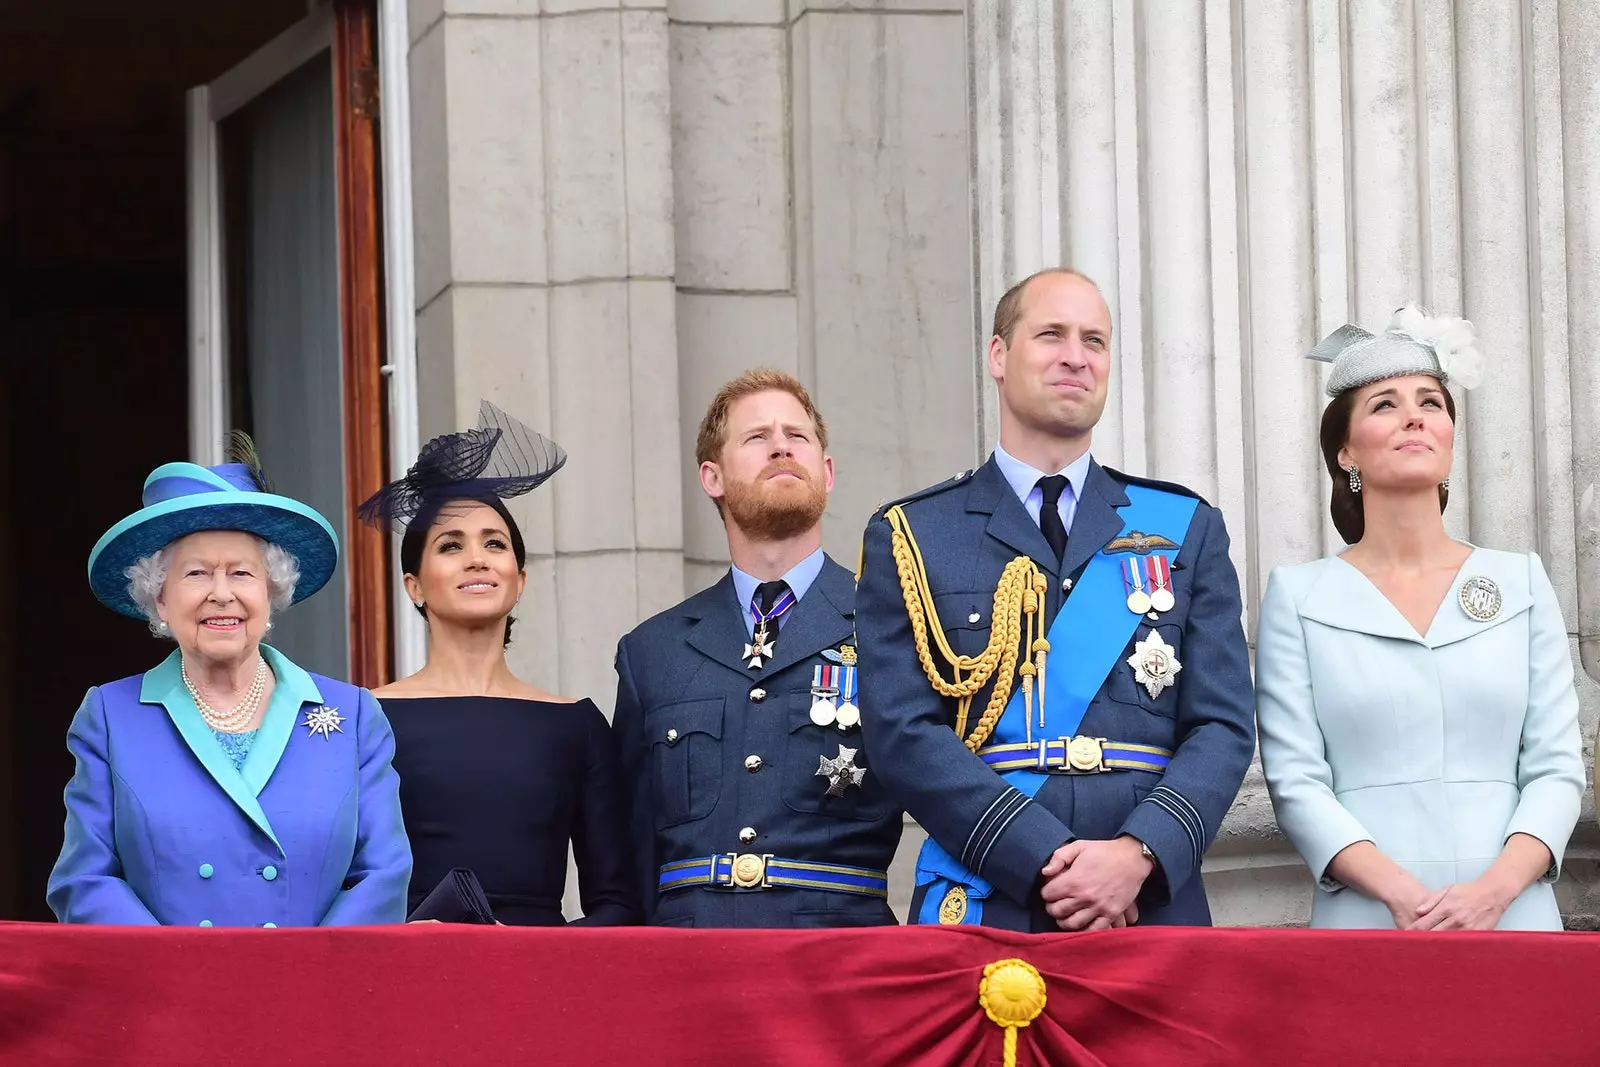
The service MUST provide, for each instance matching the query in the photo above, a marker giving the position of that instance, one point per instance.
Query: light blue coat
(161, 828)
(1435, 747)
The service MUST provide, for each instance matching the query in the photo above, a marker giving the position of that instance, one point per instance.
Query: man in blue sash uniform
(1054, 677)
(736, 718)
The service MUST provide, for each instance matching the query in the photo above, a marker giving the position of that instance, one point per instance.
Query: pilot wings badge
(1142, 543)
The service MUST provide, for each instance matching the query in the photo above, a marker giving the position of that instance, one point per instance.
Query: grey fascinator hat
(1415, 342)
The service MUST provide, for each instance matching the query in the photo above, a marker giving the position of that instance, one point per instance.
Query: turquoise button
(205, 922)
(205, 870)
(269, 872)
(269, 926)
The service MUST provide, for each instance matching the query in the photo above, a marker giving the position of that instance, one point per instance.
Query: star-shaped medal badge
(758, 650)
(841, 771)
(323, 720)
(1155, 664)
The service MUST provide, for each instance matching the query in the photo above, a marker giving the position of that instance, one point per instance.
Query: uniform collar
(799, 578)
(1023, 478)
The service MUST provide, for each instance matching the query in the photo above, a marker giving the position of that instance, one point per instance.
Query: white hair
(148, 576)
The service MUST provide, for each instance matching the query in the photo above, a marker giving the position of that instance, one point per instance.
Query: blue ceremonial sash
(1086, 641)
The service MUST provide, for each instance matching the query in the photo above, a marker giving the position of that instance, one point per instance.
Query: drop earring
(1445, 485)
(1355, 480)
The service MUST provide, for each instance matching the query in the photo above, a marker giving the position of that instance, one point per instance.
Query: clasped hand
(1463, 906)
(1091, 885)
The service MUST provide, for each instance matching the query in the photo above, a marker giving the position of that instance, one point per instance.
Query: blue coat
(689, 716)
(1438, 748)
(968, 530)
(161, 829)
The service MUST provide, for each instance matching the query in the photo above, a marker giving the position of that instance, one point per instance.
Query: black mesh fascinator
(501, 458)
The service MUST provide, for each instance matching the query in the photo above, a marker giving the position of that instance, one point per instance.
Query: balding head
(1009, 310)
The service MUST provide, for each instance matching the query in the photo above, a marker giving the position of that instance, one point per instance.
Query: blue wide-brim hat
(185, 498)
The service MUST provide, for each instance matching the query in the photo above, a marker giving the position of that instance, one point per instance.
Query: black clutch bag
(458, 898)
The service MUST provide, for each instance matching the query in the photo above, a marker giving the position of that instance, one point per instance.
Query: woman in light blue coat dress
(1418, 719)
(226, 786)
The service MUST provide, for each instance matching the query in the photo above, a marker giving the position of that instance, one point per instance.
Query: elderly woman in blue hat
(226, 787)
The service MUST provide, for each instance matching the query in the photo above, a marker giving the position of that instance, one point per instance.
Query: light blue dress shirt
(799, 577)
(1024, 481)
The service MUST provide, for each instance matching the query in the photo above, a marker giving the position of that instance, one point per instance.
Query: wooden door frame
(355, 104)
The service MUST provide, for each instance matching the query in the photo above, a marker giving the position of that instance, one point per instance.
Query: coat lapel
(1096, 521)
(293, 690)
(164, 686)
(1009, 521)
(1345, 598)
(1453, 624)
(717, 631)
(825, 617)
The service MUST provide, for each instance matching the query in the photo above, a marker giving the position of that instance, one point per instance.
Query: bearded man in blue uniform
(1054, 679)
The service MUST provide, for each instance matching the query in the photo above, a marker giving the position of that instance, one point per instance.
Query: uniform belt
(751, 870)
(1076, 755)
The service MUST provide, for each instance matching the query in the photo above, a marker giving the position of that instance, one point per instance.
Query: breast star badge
(1155, 664)
(323, 720)
(841, 771)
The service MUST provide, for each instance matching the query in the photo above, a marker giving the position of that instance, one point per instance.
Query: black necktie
(767, 594)
(1050, 513)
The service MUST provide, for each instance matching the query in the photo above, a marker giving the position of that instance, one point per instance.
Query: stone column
(1243, 176)
(545, 248)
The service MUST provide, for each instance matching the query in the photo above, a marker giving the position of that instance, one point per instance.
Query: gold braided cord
(1019, 592)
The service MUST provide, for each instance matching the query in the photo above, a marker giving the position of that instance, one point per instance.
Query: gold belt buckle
(748, 870)
(1086, 755)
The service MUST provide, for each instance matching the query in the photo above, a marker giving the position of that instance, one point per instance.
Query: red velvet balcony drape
(794, 998)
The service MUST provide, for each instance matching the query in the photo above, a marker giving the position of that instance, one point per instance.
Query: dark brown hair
(1008, 311)
(1345, 506)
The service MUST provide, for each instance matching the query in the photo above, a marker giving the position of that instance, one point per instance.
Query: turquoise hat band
(192, 499)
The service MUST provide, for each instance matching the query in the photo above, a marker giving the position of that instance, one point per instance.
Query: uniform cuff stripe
(1166, 805)
(990, 826)
(978, 870)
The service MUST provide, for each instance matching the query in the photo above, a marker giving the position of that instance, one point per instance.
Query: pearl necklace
(229, 721)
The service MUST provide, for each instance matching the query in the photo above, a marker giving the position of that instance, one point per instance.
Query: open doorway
(108, 370)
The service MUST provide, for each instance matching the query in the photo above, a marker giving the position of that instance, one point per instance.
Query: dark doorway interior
(94, 340)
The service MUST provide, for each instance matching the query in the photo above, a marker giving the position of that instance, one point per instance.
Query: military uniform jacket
(710, 748)
(968, 529)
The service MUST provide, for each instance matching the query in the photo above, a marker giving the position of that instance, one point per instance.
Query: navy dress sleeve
(606, 885)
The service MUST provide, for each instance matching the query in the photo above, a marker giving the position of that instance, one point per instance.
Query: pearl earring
(1355, 480)
(1445, 485)
(162, 629)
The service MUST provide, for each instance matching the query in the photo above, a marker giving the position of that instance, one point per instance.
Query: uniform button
(975, 616)
(747, 835)
(757, 695)
(269, 872)
(1066, 585)
(269, 926)
(206, 870)
(752, 763)
(672, 737)
(205, 922)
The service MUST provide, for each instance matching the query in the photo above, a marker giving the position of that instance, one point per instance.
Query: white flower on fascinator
(1454, 342)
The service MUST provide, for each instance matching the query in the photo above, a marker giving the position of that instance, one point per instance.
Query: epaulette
(961, 478)
(1151, 483)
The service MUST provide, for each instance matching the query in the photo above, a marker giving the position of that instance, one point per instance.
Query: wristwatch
(1144, 850)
